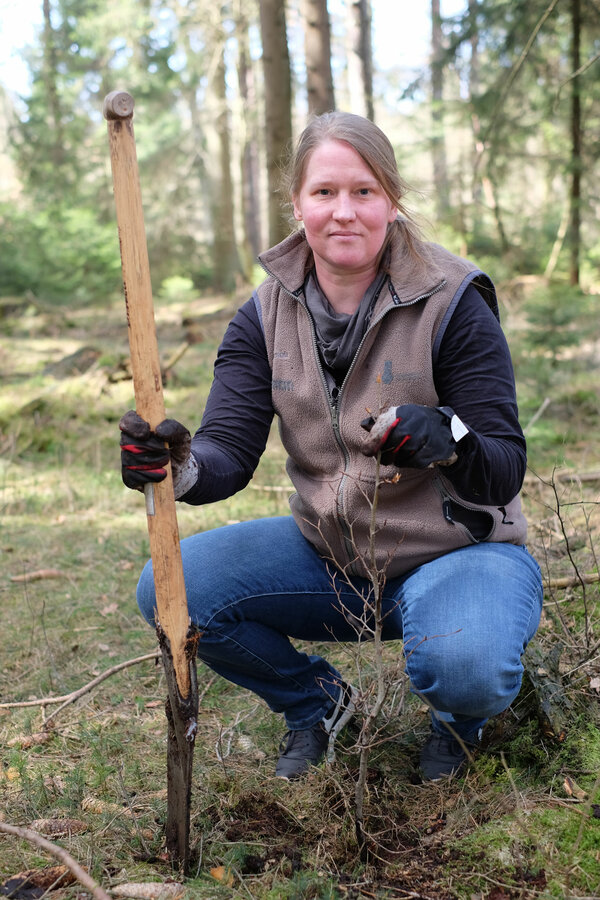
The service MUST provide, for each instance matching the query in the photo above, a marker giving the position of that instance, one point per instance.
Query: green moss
(555, 847)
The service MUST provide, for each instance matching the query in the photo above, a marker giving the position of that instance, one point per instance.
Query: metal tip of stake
(118, 105)
(149, 495)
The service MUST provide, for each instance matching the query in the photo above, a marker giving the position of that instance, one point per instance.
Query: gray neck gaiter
(339, 334)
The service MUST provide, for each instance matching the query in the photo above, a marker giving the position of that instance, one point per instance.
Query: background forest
(498, 133)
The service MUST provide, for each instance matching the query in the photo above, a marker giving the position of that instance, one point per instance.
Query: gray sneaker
(444, 756)
(306, 747)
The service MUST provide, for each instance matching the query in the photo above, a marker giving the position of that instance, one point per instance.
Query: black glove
(144, 454)
(411, 436)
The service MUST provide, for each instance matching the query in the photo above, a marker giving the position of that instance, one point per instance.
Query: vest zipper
(351, 550)
(335, 425)
(426, 296)
(333, 402)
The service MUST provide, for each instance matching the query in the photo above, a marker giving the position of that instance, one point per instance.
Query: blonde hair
(375, 149)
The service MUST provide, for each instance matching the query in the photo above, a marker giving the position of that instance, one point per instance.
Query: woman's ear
(297, 210)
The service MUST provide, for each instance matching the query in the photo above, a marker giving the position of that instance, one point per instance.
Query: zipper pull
(447, 510)
(335, 421)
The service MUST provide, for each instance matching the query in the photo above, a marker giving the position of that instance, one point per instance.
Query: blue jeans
(465, 619)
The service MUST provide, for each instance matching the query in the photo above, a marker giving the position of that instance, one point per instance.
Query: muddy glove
(144, 454)
(413, 436)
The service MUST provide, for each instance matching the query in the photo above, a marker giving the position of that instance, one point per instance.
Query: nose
(344, 208)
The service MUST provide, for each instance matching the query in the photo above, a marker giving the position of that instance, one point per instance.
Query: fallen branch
(66, 699)
(572, 580)
(38, 575)
(569, 477)
(575, 477)
(537, 415)
(58, 853)
(175, 357)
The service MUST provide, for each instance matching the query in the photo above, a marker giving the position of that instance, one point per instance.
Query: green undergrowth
(522, 821)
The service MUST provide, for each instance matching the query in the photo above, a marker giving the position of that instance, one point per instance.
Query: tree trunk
(278, 102)
(226, 265)
(438, 144)
(49, 70)
(490, 188)
(576, 144)
(317, 52)
(249, 156)
(476, 190)
(360, 58)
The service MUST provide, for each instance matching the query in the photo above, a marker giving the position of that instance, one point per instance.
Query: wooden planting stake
(177, 640)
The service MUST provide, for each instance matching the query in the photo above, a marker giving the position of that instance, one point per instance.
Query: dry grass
(509, 826)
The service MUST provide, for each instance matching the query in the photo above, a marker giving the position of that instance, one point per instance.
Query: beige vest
(334, 482)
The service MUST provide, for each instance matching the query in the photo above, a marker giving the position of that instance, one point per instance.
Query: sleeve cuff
(185, 477)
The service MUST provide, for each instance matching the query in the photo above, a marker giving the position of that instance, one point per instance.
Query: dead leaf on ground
(55, 783)
(109, 609)
(38, 575)
(223, 875)
(573, 790)
(595, 684)
(34, 883)
(152, 890)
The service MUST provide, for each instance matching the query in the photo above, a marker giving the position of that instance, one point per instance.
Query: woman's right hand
(146, 453)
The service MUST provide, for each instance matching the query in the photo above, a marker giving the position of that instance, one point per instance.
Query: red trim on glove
(406, 438)
(387, 434)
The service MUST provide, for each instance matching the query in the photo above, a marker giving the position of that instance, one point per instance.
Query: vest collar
(411, 277)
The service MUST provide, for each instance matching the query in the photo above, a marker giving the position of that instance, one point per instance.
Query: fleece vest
(333, 503)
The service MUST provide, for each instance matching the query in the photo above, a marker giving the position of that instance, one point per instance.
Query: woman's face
(344, 209)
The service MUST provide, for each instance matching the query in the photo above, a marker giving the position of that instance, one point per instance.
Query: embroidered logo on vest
(388, 375)
(280, 384)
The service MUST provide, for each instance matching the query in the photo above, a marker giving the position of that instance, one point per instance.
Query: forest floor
(524, 820)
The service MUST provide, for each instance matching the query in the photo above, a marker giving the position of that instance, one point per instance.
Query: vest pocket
(478, 523)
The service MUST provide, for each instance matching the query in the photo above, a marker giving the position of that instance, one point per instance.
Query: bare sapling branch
(573, 562)
(579, 578)
(555, 664)
(375, 689)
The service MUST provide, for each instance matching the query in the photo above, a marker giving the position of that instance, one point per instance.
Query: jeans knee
(467, 684)
(482, 696)
(145, 595)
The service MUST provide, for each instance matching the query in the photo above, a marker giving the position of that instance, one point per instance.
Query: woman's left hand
(411, 436)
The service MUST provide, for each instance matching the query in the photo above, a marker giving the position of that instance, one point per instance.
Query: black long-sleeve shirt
(473, 375)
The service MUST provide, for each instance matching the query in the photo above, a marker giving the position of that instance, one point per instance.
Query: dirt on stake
(176, 639)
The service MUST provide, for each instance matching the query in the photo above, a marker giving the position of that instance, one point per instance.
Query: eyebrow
(327, 179)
